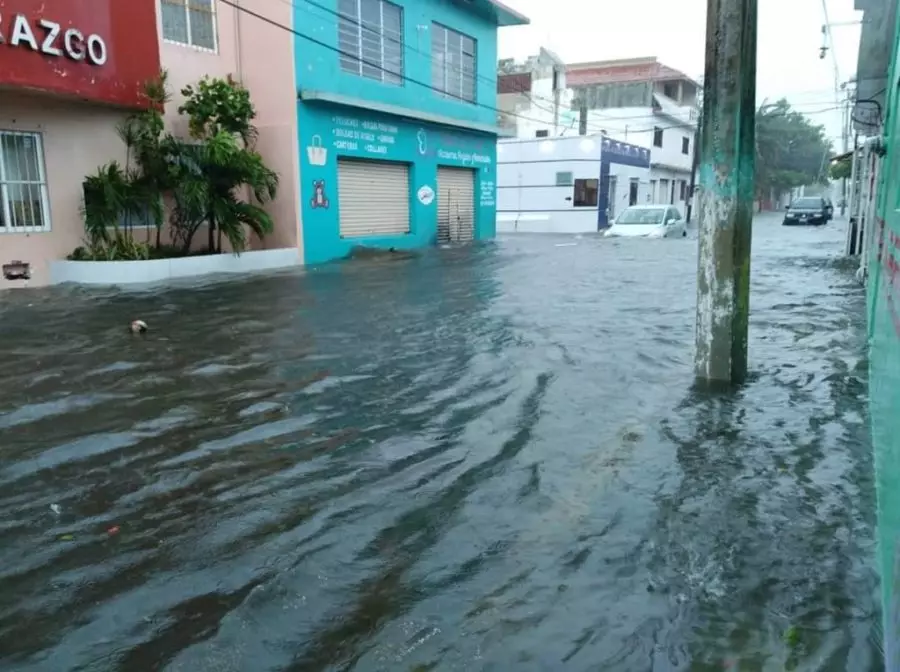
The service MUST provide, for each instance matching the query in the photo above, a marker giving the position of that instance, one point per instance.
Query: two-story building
(397, 121)
(72, 72)
(533, 98)
(647, 103)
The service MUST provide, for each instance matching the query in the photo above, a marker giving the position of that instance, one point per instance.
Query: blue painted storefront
(348, 115)
(622, 153)
(342, 131)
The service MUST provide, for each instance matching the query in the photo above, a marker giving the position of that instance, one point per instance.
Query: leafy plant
(218, 165)
(219, 105)
(840, 170)
(204, 177)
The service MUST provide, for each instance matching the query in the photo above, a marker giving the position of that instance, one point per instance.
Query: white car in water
(649, 221)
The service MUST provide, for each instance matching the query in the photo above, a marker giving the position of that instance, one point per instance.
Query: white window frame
(7, 224)
(443, 87)
(187, 22)
(385, 76)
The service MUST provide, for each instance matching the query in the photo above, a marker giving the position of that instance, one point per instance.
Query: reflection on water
(477, 459)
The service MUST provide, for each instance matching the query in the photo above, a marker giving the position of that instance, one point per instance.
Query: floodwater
(488, 458)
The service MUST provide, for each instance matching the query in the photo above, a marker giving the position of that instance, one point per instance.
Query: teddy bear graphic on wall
(319, 199)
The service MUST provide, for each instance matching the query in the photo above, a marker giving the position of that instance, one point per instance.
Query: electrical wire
(371, 64)
(828, 34)
(399, 41)
(491, 81)
(320, 43)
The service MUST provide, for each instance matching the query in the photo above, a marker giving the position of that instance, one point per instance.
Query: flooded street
(476, 459)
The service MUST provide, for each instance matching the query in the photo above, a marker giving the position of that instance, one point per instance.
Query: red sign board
(98, 50)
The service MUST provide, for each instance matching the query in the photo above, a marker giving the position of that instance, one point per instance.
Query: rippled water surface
(476, 459)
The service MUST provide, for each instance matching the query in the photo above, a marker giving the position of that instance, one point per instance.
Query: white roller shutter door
(373, 198)
(456, 204)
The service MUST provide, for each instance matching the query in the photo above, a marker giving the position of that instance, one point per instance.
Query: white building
(568, 184)
(533, 98)
(646, 103)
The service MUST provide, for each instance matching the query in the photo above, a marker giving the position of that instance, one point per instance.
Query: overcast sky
(790, 35)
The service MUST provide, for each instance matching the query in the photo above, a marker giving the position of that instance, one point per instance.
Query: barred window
(24, 201)
(453, 64)
(370, 39)
(190, 22)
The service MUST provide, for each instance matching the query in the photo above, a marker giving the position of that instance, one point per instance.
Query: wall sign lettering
(371, 137)
(48, 37)
(487, 194)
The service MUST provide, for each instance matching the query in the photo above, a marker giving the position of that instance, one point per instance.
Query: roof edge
(507, 16)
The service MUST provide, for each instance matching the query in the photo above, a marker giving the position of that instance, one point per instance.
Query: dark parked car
(807, 210)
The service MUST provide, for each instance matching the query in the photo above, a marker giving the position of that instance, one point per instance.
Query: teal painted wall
(351, 132)
(318, 67)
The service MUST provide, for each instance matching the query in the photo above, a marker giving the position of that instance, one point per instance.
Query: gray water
(488, 458)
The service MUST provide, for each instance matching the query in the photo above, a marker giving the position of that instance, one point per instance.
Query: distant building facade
(533, 99)
(574, 184)
(397, 124)
(73, 72)
(645, 103)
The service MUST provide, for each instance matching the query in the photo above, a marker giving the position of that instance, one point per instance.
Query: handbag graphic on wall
(318, 155)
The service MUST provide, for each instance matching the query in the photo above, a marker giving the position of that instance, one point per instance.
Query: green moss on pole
(726, 194)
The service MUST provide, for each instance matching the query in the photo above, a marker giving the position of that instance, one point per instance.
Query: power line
(405, 77)
(363, 61)
(492, 81)
(830, 37)
(399, 41)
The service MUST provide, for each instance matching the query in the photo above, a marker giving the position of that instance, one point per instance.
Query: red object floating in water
(113, 530)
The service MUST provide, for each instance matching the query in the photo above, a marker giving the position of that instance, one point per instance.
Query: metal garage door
(456, 204)
(373, 198)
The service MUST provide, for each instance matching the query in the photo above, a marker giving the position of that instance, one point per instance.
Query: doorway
(633, 191)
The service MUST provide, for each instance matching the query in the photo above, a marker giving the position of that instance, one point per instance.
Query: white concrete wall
(657, 195)
(636, 124)
(111, 273)
(528, 199)
(619, 200)
(534, 112)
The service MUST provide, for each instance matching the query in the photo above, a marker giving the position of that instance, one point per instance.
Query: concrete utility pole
(582, 117)
(725, 204)
(845, 135)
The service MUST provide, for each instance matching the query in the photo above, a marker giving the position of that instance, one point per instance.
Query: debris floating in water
(114, 530)
(56, 508)
(138, 327)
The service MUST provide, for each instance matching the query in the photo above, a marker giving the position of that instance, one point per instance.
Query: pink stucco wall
(79, 137)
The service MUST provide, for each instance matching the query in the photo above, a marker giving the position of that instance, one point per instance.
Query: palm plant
(211, 175)
(218, 165)
(204, 177)
(148, 158)
(111, 201)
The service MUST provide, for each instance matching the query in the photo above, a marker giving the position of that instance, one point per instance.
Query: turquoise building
(397, 122)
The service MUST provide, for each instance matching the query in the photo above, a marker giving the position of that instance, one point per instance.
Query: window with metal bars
(452, 63)
(24, 202)
(370, 39)
(190, 22)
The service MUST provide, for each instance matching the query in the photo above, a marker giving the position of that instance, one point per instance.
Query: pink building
(72, 71)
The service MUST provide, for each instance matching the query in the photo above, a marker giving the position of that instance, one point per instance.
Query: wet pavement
(488, 458)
